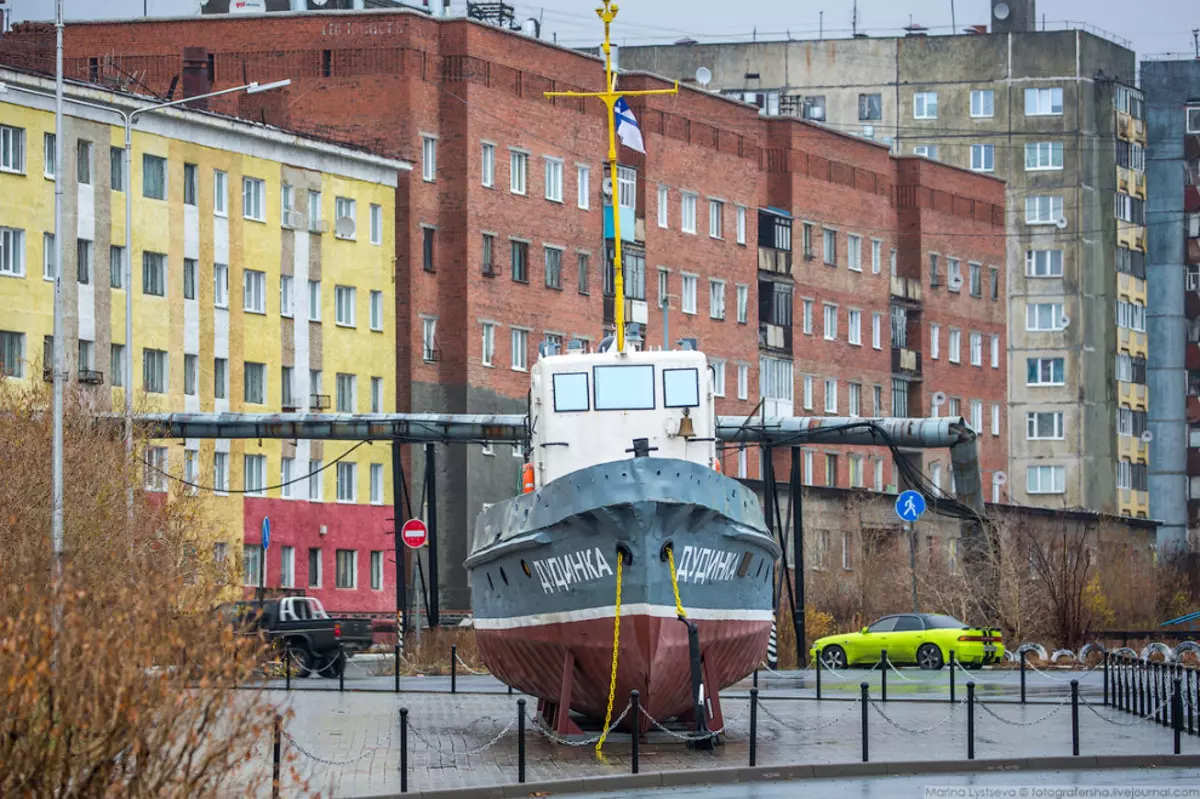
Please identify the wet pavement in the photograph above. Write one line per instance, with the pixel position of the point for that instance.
(348, 743)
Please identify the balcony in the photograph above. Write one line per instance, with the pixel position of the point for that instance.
(1133, 341)
(1193, 251)
(775, 337)
(906, 288)
(1193, 409)
(1131, 235)
(906, 361)
(1133, 503)
(772, 260)
(1192, 355)
(318, 402)
(1193, 462)
(1132, 395)
(610, 313)
(1133, 449)
(1133, 288)
(91, 377)
(1191, 199)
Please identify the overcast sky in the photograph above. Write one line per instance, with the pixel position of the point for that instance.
(1154, 26)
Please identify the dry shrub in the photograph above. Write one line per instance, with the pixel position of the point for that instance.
(431, 654)
(115, 678)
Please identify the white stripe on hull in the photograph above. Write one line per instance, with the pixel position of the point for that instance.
(609, 611)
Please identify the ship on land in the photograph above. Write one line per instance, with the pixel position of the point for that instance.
(623, 466)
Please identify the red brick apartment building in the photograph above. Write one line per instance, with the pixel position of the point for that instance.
(815, 267)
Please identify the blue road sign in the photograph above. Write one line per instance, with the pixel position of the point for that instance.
(910, 505)
(266, 534)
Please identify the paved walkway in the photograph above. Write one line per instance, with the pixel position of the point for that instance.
(446, 732)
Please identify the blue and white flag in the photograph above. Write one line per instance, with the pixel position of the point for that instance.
(627, 127)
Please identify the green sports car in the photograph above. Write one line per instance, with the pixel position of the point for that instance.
(922, 639)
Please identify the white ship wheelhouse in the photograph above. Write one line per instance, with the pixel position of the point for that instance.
(592, 408)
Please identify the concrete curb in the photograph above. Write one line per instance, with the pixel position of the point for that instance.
(726, 776)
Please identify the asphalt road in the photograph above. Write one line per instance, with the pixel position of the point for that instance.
(1181, 783)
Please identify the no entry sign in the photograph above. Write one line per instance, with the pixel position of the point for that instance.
(415, 533)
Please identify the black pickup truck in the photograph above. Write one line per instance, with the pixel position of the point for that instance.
(301, 626)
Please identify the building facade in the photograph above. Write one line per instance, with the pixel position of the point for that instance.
(1054, 115)
(245, 298)
(785, 249)
(1172, 90)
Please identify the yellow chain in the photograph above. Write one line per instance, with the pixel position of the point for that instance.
(612, 685)
(675, 585)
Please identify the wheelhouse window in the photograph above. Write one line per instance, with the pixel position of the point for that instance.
(624, 388)
(681, 388)
(570, 392)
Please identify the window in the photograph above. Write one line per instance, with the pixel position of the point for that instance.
(345, 301)
(925, 105)
(854, 399)
(220, 378)
(583, 189)
(487, 165)
(983, 157)
(954, 273)
(254, 286)
(376, 223)
(191, 187)
(520, 261)
(688, 303)
(252, 557)
(376, 310)
(741, 224)
(255, 389)
(83, 162)
(49, 155)
(935, 277)
(929, 151)
(376, 483)
(254, 475)
(582, 260)
(1193, 119)
(520, 349)
(315, 493)
(286, 470)
(955, 345)
(518, 165)
(117, 361)
(743, 381)
(877, 331)
(1043, 263)
(1043, 424)
(116, 168)
(220, 192)
(830, 328)
(347, 392)
(554, 179)
(154, 274)
(716, 219)
(976, 349)
(995, 351)
(718, 369)
(376, 395)
(831, 481)
(12, 149)
(1130, 209)
(347, 475)
(287, 567)
(189, 278)
(12, 252)
(553, 268)
(899, 398)
(346, 208)
(807, 315)
(12, 354)
(285, 387)
(220, 285)
(83, 261)
(807, 395)
(489, 343)
(286, 202)
(687, 213)
(428, 158)
(994, 282)
(1043, 209)
(314, 567)
(626, 187)
(977, 415)
(429, 339)
(220, 472)
(830, 246)
(347, 565)
(377, 570)
(870, 107)
(876, 256)
(1043, 102)
(716, 299)
(854, 252)
(806, 240)
(1044, 371)
(252, 199)
(154, 371)
(663, 206)
(1045, 479)
(854, 327)
(1044, 316)
(877, 401)
(831, 387)
(935, 336)
(315, 224)
(285, 296)
(191, 367)
(1043, 155)
(983, 103)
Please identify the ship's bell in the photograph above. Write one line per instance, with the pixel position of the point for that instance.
(686, 430)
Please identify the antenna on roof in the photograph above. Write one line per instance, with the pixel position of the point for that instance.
(854, 20)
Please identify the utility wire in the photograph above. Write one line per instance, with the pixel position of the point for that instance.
(300, 479)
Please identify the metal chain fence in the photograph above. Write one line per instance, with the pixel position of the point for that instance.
(953, 712)
(789, 725)
(1011, 723)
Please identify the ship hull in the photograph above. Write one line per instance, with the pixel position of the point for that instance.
(543, 580)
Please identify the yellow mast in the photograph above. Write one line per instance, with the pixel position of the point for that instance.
(609, 97)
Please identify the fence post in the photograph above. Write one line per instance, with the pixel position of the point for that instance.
(952, 676)
(341, 667)
(1177, 713)
(277, 746)
(866, 698)
(635, 699)
(1191, 697)
(1154, 698)
(820, 665)
(970, 720)
(1105, 679)
(510, 690)
(403, 750)
(454, 668)
(396, 668)
(753, 726)
(1075, 718)
(287, 664)
(1022, 653)
(520, 740)
(883, 661)
(756, 677)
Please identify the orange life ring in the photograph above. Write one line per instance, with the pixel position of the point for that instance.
(527, 478)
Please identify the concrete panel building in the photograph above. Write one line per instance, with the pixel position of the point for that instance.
(1054, 114)
(1172, 91)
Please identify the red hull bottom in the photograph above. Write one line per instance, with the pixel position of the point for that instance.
(653, 660)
